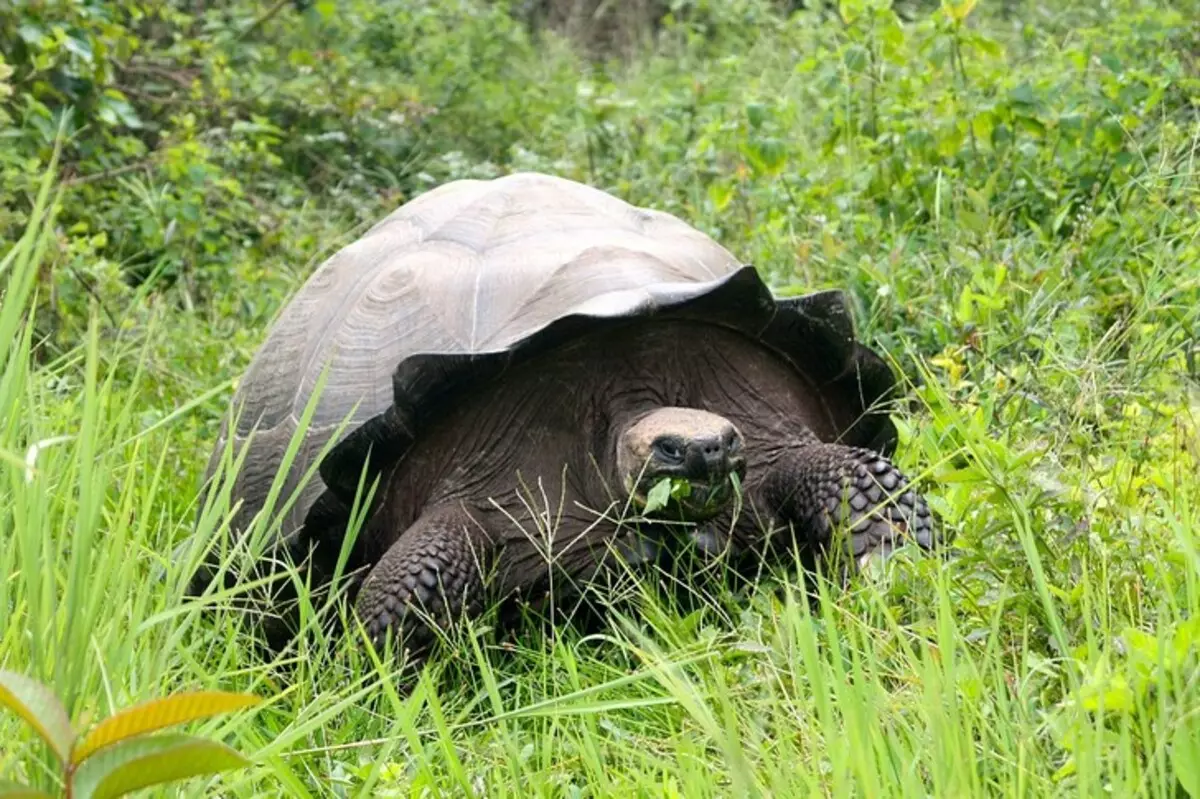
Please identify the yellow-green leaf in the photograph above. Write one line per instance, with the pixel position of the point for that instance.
(137, 763)
(159, 713)
(37, 704)
(1068, 769)
(1112, 694)
(958, 11)
(658, 495)
(851, 10)
(15, 790)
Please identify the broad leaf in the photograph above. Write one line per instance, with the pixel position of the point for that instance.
(37, 704)
(15, 790)
(680, 488)
(136, 763)
(656, 497)
(1185, 755)
(159, 713)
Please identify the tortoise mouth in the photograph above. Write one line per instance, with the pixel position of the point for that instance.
(707, 499)
(684, 500)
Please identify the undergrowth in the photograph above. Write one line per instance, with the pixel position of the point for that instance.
(1007, 192)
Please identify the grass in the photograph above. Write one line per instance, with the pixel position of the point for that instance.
(1042, 298)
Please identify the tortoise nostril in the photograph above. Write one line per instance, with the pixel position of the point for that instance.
(716, 456)
(712, 449)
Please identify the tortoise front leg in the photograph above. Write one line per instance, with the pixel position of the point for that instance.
(820, 487)
(430, 575)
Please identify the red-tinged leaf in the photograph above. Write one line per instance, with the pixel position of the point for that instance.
(15, 790)
(159, 713)
(137, 763)
(37, 704)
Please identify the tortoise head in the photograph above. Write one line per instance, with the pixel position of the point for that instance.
(696, 450)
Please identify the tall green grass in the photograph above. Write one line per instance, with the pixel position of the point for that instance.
(1050, 651)
(1068, 678)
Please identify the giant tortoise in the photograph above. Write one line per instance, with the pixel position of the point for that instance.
(517, 365)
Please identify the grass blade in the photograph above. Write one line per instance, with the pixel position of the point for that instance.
(1185, 754)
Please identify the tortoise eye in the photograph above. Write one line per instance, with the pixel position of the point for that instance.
(668, 449)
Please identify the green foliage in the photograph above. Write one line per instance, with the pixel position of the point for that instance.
(200, 134)
(1007, 191)
(38, 707)
(666, 489)
(120, 756)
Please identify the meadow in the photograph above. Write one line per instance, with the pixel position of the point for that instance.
(1008, 191)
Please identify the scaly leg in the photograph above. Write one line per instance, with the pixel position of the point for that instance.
(819, 487)
(431, 572)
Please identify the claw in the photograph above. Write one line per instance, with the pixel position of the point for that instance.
(870, 562)
(874, 561)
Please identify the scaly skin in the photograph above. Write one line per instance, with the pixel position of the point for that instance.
(431, 571)
(825, 486)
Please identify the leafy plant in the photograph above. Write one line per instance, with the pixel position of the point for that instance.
(125, 752)
(666, 489)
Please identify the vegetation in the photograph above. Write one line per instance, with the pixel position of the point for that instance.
(1007, 190)
(127, 751)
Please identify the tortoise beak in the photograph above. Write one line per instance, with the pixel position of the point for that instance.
(700, 459)
(712, 460)
(713, 490)
(708, 465)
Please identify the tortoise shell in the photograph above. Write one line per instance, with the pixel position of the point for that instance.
(466, 279)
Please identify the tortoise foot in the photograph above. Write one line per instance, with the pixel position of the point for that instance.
(427, 580)
(829, 487)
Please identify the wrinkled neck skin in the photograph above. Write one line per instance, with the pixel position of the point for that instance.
(535, 450)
